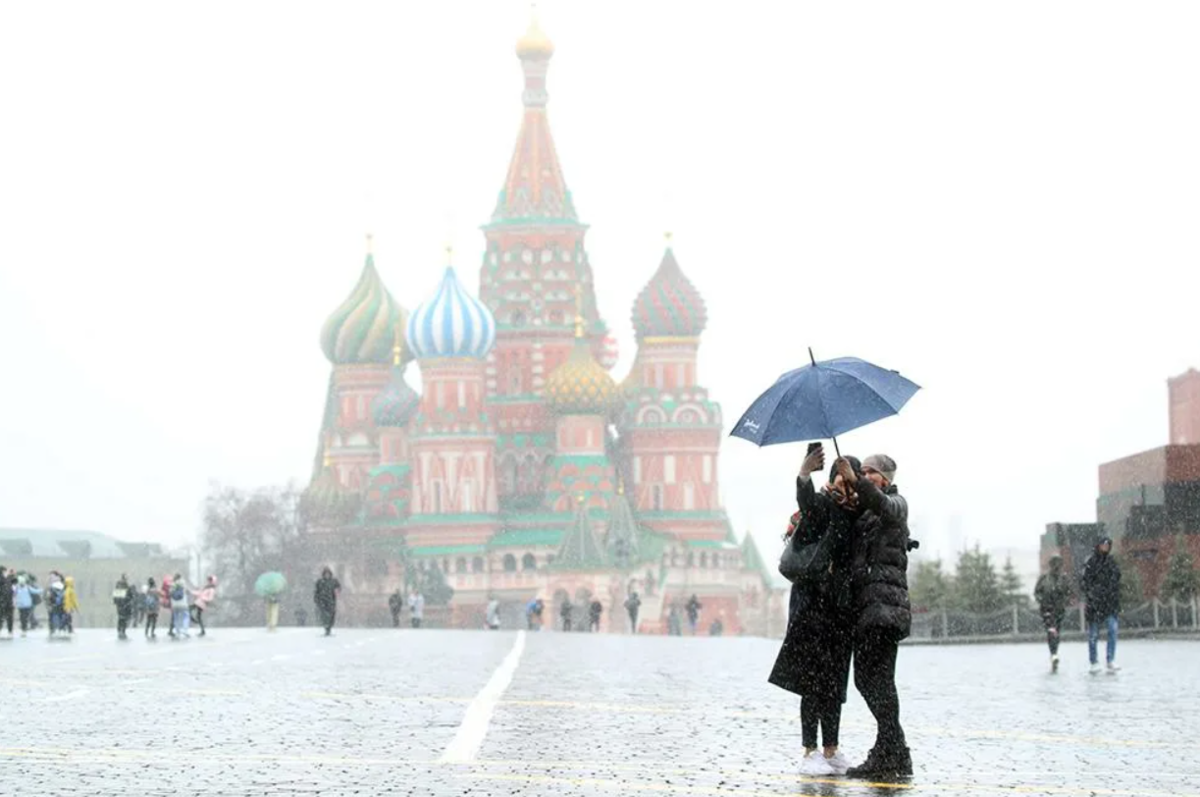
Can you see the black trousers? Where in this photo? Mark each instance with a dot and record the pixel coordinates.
(6, 617)
(328, 617)
(820, 711)
(26, 618)
(151, 624)
(1053, 623)
(875, 679)
(122, 625)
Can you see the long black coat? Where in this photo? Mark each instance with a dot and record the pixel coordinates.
(123, 598)
(325, 594)
(815, 656)
(1101, 584)
(880, 566)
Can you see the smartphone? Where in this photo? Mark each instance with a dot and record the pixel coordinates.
(812, 447)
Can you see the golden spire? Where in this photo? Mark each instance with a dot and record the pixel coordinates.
(397, 345)
(449, 254)
(370, 244)
(326, 460)
(620, 485)
(668, 235)
(579, 499)
(578, 311)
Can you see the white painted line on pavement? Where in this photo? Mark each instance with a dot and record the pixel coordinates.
(68, 696)
(281, 657)
(466, 742)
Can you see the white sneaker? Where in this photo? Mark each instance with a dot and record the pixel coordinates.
(1113, 667)
(839, 763)
(1094, 669)
(1054, 664)
(815, 764)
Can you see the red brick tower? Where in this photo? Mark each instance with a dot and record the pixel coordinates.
(1184, 393)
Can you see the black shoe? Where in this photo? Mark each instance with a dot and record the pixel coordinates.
(883, 765)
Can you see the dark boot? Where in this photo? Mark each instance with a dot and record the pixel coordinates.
(883, 765)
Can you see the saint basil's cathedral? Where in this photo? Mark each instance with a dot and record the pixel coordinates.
(524, 469)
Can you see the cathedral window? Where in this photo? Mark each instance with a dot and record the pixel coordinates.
(460, 564)
(510, 563)
(703, 559)
(669, 469)
(656, 498)
(637, 470)
(466, 497)
(689, 496)
(477, 564)
(708, 468)
(462, 395)
(528, 562)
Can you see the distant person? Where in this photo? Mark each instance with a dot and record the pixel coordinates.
(1053, 592)
(633, 604)
(23, 597)
(8, 586)
(693, 608)
(124, 597)
(164, 601)
(649, 584)
(530, 618)
(150, 600)
(396, 606)
(491, 617)
(564, 612)
(1101, 584)
(201, 600)
(595, 610)
(539, 610)
(70, 603)
(325, 596)
(139, 605)
(674, 622)
(416, 609)
(181, 616)
(54, 603)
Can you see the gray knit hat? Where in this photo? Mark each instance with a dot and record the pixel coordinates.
(883, 464)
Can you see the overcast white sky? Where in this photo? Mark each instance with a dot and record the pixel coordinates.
(999, 200)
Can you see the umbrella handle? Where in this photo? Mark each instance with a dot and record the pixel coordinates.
(837, 450)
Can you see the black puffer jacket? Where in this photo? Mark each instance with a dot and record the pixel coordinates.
(1101, 584)
(880, 568)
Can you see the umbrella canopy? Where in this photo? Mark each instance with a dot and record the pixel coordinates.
(269, 584)
(823, 400)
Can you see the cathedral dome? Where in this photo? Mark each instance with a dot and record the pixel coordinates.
(360, 330)
(534, 43)
(580, 386)
(451, 323)
(669, 305)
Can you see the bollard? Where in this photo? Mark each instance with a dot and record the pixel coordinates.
(1016, 621)
(1174, 613)
(1154, 604)
(1082, 620)
(945, 624)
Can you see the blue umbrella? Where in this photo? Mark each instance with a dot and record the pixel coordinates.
(823, 400)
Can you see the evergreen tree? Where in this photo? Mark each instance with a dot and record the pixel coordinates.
(434, 587)
(1182, 581)
(1132, 593)
(1010, 584)
(976, 586)
(930, 587)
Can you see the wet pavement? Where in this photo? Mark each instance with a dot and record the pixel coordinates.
(376, 712)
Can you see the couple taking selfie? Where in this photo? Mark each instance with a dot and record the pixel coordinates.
(846, 555)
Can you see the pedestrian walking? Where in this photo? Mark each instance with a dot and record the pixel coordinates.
(24, 597)
(70, 604)
(1053, 592)
(632, 605)
(530, 617)
(564, 612)
(201, 600)
(396, 606)
(124, 596)
(181, 616)
(325, 596)
(814, 659)
(164, 601)
(491, 617)
(595, 610)
(1101, 584)
(674, 622)
(416, 608)
(693, 608)
(8, 587)
(879, 544)
(153, 602)
(54, 603)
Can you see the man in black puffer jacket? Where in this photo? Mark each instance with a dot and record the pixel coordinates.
(883, 614)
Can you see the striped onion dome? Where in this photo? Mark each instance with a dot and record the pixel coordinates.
(361, 329)
(451, 323)
(669, 306)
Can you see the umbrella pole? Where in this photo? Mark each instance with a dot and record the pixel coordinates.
(837, 450)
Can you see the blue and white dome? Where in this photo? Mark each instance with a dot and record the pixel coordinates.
(451, 323)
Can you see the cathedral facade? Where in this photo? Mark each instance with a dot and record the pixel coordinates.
(524, 469)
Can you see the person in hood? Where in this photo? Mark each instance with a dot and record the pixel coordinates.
(693, 608)
(70, 603)
(153, 603)
(565, 612)
(55, 601)
(124, 596)
(416, 608)
(1053, 592)
(164, 601)
(201, 600)
(325, 596)
(8, 586)
(181, 615)
(595, 610)
(814, 659)
(492, 616)
(396, 606)
(1101, 584)
(883, 615)
(632, 605)
(24, 594)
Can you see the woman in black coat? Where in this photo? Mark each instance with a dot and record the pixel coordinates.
(814, 661)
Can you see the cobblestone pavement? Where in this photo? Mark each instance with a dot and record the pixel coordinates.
(376, 712)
